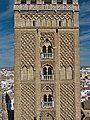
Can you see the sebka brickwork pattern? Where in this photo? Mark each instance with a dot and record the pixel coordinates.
(67, 102)
(27, 101)
(28, 49)
(66, 49)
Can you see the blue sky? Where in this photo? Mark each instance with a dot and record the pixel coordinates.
(7, 33)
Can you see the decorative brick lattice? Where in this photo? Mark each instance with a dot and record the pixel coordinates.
(67, 103)
(28, 49)
(66, 49)
(27, 101)
(47, 36)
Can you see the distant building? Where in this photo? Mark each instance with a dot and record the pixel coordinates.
(85, 111)
(9, 97)
(85, 73)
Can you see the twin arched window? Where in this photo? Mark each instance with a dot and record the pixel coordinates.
(45, 50)
(67, 73)
(47, 71)
(47, 98)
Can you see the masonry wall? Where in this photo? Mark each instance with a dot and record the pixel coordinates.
(32, 30)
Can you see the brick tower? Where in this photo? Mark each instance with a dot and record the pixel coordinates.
(47, 83)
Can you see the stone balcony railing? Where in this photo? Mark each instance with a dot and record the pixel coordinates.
(37, 7)
(47, 55)
(47, 104)
(47, 77)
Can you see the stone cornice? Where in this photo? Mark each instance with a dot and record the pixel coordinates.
(51, 7)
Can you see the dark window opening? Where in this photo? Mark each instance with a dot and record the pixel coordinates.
(34, 118)
(56, 30)
(45, 98)
(50, 98)
(33, 23)
(37, 30)
(48, 1)
(59, 23)
(44, 71)
(49, 71)
(59, 1)
(49, 49)
(23, 1)
(69, 2)
(33, 1)
(44, 49)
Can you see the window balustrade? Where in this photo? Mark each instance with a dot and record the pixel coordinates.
(47, 104)
(47, 55)
(47, 77)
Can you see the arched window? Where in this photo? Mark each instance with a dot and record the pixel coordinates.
(23, 1)
(49, 71)
(49, 49)
(69, 73)
(44, 49)
(49, 98)
(69, 1)
(33, 23)
(59, 1)
(33, 1)
(48, 1)
(45, 71)
(63, 73)
(24, 73)
(45, 98)
(59, 23)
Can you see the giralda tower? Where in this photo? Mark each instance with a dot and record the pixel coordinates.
(47, 83)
